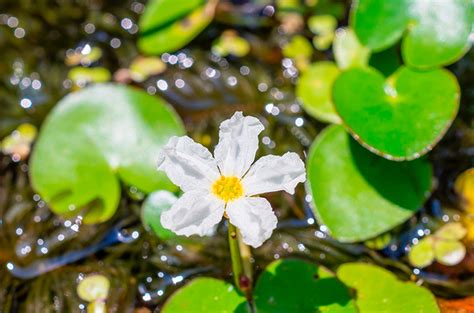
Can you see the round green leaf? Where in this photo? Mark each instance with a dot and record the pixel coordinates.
(205, 295)
(449, 252)
(348, 51)
(314, 89)
(380, 291)
(82, 75)
(422, 254)
(400, 118)
(153, 206)
(322, 24)
(298, 286)
(93, 139)
(168, 25)
(379, 24)
(359, 195)
(93, 287)
(439, 33)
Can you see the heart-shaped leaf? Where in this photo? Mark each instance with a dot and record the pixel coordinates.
(359, 195)
(380, 291)
(400, 118)
(93, 139)
(152, 208)
(313, 289)
(206, 295)
(314, 90)
(422, 254)
(437, 31)
(348, 51)
(168, 25)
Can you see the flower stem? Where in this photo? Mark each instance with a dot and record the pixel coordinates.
(240, 256)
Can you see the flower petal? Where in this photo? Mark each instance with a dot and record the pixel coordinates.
(188, 164)
(272, 173)
(238, 143)
(195, 213)
(254, 217)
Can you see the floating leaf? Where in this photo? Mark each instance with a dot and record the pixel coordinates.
(422, 254)
(379, 242)
(168, 25)
(322, 24)
(154, 205)
(144, 67)
(298, 286)
(437, 31)
(443, 246)
(84, 56)
(351, 192)
(95, 138)
(205, 295)
(400, 118)
(231, 43)
(84, 75)
(348, 51)
(299, 49)
(18, 143)
(314, 89)
(464, 186)
(323, 42)
(380, 291)
(449, 252)
(93, 287)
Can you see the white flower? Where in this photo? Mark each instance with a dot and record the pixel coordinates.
(228, 182)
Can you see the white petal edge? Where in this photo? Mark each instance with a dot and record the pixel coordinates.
(188, 164)
(238, 144)
(273, 173)
(195, 213)
(254, 217)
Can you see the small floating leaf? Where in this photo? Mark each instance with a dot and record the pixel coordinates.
(322, 24)
(298, 286)
(299, 48)
(314, 89)
(400, 118)
(422, 254)
(231, 43)
(93, 287)
(348, 51)
(84, 56)
(378, 290)
(205, 295)
(154, 205)
(144, 67)
(106, 134)
(351, 192)
(84, 75)
(449, 252)
(451, 231)
(18, 143)
(168, 25)
(464, 186)
(379, 242)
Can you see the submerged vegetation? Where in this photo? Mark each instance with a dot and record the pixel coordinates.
(374, 96)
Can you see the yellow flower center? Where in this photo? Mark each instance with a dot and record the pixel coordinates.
(228, 188)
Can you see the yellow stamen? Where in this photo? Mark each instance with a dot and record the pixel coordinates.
(228, 188)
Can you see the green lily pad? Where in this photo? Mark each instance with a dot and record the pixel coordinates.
(298, 286)
(168, 25)
(231, 43)
(314, 90)
(348, 51)
(299, 48)
(400, 118)
(351, 192)
(205, 295)
(437, 32)
(378, 290)
(451, 231)
(93, 287)
(422, 254)
(144, 67)
(95, 138)
(155, 204)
